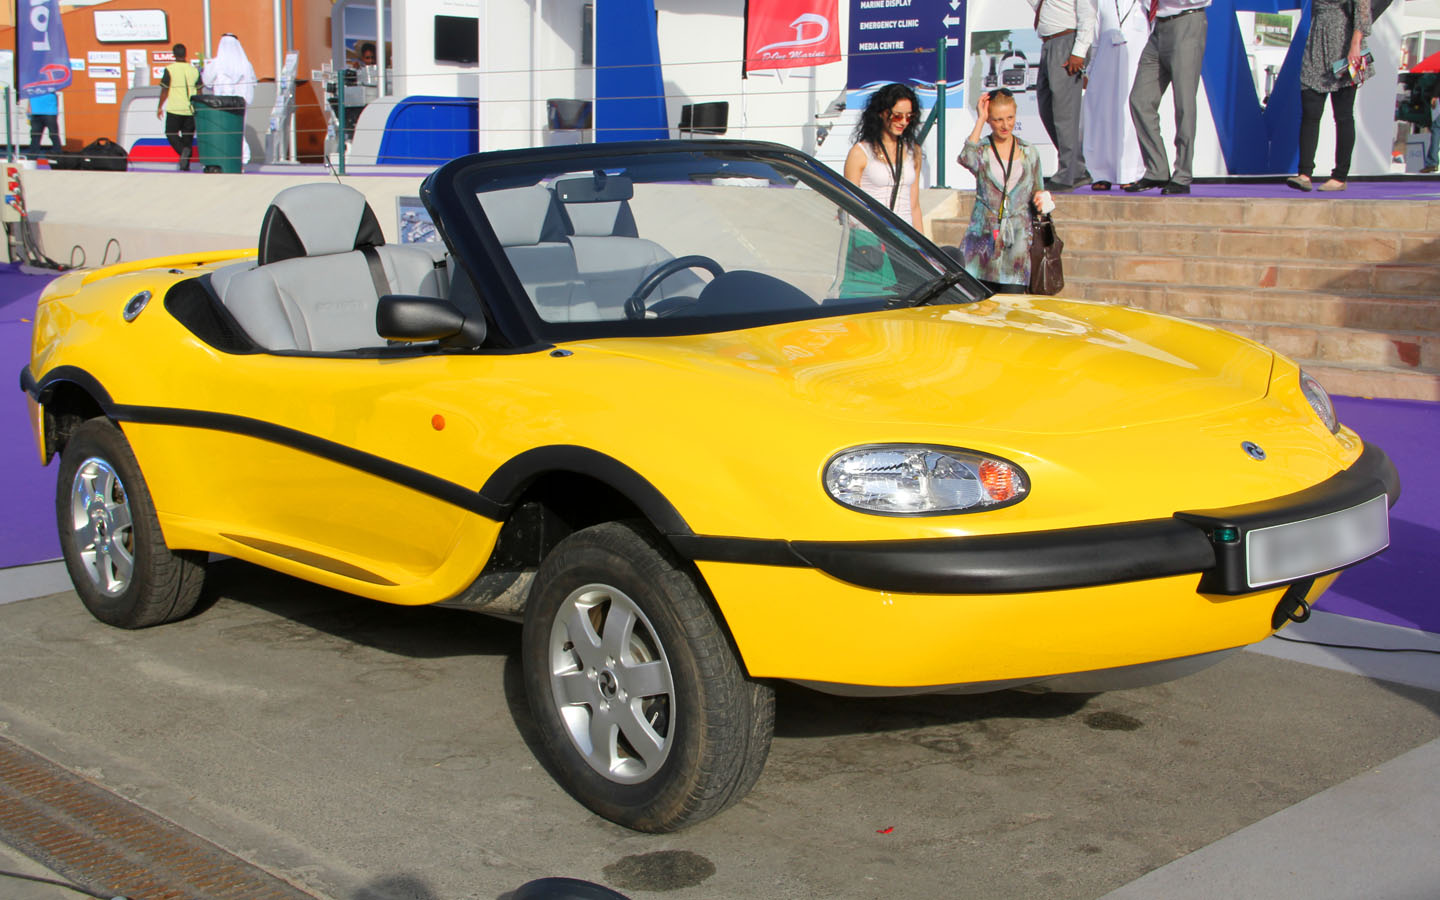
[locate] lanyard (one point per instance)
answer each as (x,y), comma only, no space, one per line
(1127,12)
(899,161)
(1005,168)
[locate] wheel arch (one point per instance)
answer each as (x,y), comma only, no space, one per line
(546,471)
(68,396)
(552,492)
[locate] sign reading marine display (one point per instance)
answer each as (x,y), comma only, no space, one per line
(896,40)
(131,25)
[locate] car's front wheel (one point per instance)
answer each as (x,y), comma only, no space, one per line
(117,557)
(646,714)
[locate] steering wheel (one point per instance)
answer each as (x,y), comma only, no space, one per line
(635,303)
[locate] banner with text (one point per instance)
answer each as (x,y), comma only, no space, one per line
(786,34)
(42,56)
(896,40)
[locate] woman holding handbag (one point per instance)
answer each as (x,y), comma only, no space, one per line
(1334,64)
(885,161)
(1008,183)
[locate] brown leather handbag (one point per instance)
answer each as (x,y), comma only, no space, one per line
(1047,275)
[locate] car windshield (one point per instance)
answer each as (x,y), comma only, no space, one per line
(697,240)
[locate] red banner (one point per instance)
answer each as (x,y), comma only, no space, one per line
(784,34)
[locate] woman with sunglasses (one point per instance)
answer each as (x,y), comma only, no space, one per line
(885,161)
(1008,182)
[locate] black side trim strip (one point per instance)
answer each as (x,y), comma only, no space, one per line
(448,491)
(1015,563)
(41,390)
(1371,475)
(510,480)
(754,551)
(27,382)
(1062,559)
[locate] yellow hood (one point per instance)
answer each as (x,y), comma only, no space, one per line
(1021,365)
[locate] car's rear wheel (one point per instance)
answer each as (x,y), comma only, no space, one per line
(117,557)
(646,714)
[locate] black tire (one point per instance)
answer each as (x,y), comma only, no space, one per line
(124,573)
(709,724)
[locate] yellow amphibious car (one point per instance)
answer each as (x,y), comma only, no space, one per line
(703,416)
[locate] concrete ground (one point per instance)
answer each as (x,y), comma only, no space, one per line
(362,751)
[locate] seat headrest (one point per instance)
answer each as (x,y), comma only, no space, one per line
(524,216)
(611,218)
(317,220)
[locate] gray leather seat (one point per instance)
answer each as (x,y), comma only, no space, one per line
(323,266)
(531,228)
(612,258)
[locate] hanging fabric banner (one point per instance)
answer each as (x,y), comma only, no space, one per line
(786,34)
(44,59)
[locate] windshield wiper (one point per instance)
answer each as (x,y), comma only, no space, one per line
(929,290)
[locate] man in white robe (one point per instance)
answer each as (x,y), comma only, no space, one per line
(229,74)
(1112,151)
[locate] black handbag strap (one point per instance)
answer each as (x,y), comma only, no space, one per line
(899,169)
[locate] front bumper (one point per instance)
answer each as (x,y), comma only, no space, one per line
(1208,542)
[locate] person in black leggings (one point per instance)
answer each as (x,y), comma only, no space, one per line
(1337,32)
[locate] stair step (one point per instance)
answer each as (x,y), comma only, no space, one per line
(1366,381)
(1240,304)
(1398,280)
(1350,289)
(1403,352)
(1291,245)
(1270,213)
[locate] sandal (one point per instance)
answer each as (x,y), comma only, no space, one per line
(1300,183)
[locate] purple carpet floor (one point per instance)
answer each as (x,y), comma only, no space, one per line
(1412,188)
(27,491)
(1397,588)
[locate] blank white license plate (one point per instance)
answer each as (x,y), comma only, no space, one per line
(1322,544)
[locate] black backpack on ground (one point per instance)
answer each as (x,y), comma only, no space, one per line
(103,155)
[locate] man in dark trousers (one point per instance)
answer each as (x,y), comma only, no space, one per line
(1066,29)
(1172,56)
(178,85)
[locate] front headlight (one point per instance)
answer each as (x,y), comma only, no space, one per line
(904,480)
(1319,401)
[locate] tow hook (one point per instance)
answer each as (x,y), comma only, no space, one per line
(1292,605)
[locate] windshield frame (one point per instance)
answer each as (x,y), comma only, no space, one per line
(450,193)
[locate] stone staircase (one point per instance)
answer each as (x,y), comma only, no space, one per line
(1350,289)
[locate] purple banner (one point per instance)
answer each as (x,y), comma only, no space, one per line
(42,58)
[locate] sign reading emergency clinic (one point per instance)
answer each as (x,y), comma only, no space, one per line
(896,40)
(120,26)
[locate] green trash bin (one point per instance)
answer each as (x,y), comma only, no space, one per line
(219,132)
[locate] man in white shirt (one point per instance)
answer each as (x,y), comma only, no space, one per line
(1066,29)
(1172,56)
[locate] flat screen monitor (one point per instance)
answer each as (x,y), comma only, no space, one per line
(457,39)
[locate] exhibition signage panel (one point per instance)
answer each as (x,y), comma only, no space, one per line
(119,26)
(786,34)
(895,40)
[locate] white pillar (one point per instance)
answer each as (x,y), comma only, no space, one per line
(279,43)
(380,42)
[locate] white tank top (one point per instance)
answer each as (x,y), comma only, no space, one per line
(878,178)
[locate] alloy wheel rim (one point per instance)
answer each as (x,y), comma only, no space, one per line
(103,526)
(612,684)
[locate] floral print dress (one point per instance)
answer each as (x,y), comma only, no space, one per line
(1332,25)
(996,248)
